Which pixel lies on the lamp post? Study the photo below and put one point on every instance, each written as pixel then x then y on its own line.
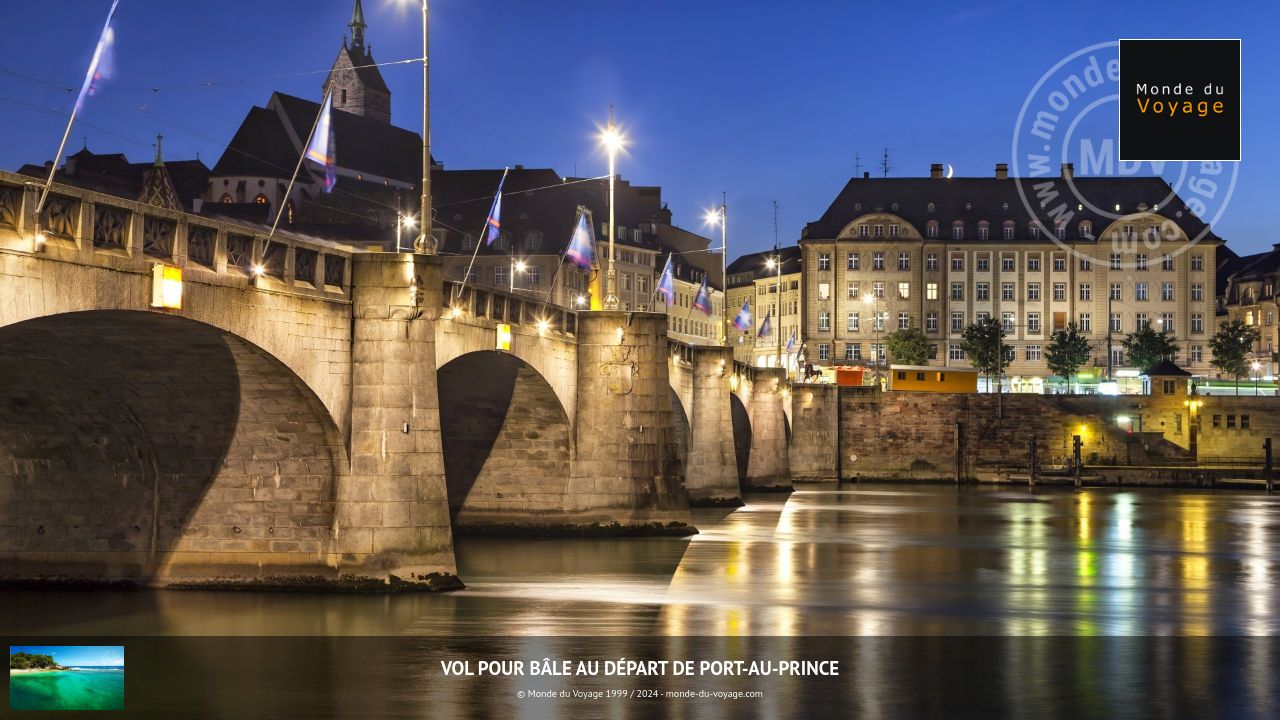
pixel 720 216
pixel 1257 368
pixel 775 263
pixel 516 266
pixel 611 138
pixel 870 299
pixel 406 222
pixel 423 244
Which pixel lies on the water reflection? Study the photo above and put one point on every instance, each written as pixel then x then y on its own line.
pixel 827 560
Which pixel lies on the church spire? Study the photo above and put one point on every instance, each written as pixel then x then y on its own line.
pixel 357 26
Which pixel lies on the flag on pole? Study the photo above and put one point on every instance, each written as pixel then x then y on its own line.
pixel 791 341
pixel 743 321
pixel 666 284
pixel 766 327
pixel 493 225
pixel 702 300
pixel 100 65
pixel 582 247
pixel 320 149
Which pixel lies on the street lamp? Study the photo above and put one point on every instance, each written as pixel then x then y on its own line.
pixel 517 266
pixel 1257 367
pixel 423 237
pixel 407 222
pixel 613 140
pixel 775 263
pixel 870 299
pixel 720 216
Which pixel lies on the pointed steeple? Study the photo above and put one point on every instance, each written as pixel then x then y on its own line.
pixel 357 26
pixel 157 186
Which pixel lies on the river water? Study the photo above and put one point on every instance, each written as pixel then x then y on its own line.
pixel 1032 595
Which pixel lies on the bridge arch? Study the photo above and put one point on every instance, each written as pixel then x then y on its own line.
pixel 149 447
pixel 507 440
pixel 309 334
pixel 741 436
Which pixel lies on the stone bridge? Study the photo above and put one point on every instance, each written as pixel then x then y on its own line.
pixel 314 414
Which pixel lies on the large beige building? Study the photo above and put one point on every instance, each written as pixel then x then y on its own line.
pixel 941 253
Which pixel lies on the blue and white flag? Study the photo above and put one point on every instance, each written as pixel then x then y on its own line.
pixel 743 321
pixel 320 149
pixel 791 341
pixel 766 327
pixel 702 301
pixel 582 248
pixel 666 284
pixel 493 225
pixel 100 65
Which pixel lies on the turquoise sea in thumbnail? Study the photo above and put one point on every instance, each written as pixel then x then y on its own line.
pixel 88 688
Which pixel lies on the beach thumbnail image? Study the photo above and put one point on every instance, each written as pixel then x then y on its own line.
pixel 66 677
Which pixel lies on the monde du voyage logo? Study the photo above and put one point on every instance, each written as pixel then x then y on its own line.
pixel 1180 100
pixel 1177 103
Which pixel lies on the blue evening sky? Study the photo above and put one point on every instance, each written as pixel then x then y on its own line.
pixel 79 655
pixel 764 100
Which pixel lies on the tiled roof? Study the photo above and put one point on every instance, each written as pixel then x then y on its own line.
pixel 973 199
pixel 113 174
pixel 263 147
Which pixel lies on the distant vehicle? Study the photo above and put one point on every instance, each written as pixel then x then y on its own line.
pixel 922 378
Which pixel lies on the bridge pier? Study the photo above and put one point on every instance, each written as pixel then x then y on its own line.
pixel 768 467
pixel 391 522
pixel 711 473
pixel 625 474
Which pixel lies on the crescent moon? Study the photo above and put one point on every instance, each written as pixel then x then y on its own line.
pixel 950 171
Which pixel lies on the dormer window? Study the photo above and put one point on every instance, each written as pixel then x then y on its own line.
pixel 1086 229
pixel 1007 229
pixel 957 230
pixel 931 227
pixel 984 230
pixel 931 207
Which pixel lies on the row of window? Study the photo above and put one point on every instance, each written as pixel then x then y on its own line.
pixel 1030 353
pixel 1008 291
pixel 691 326
pixel 1032 325
pixel 1009 229
pixel 1141 261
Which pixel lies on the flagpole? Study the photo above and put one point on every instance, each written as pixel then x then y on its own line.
pixel 301 156
pixel 75 110
pixel 467 275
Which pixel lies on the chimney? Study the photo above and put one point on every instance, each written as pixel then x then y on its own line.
pixel 1002 171
pixel 935 171
pixel 866 174
pixel 1068 170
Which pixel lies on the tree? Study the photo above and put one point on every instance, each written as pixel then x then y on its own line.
pixel 1147 347
pixel 907 347
pixel 983 344
pixel 1066 352
pixel 1231 346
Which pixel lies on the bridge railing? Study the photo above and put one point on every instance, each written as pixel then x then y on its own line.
pixel 93 228
pixel 487 303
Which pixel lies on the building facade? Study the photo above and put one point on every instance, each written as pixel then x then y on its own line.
pixel 754 280
pixel 1249 295
pixel 685 322
pixel 941 253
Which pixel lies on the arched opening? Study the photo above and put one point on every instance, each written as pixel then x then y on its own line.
pixel 135 445
pixel 506 441
pixel 680 428
pixel 741 435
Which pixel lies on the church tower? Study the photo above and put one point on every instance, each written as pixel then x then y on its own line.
pixel 357 84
